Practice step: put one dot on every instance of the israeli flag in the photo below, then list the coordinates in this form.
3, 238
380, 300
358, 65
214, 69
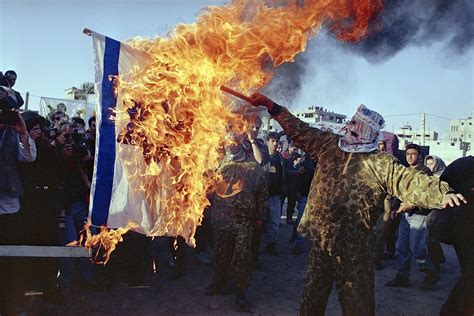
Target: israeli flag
115, 200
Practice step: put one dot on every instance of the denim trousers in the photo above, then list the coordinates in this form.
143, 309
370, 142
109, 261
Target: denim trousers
273, 218
301, 206
74, 223
411, 242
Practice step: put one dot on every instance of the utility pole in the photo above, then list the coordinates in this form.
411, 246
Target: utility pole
27, 99
423, 128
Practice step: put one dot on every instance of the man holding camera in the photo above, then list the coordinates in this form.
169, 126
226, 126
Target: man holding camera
72, 158
15, 145
39, 205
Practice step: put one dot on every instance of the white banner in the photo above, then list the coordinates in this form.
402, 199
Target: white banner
72, 108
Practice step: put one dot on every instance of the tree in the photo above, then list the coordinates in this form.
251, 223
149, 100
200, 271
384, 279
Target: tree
84, 89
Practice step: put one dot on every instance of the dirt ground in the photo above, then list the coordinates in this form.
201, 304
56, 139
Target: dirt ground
275, 290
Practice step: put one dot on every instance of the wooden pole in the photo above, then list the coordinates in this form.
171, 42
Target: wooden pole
236, 94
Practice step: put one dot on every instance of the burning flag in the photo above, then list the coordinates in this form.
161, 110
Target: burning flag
161, 115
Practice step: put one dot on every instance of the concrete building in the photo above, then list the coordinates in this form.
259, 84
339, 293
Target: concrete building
448, 150
461, 130
317, 114
314, 116
406, 134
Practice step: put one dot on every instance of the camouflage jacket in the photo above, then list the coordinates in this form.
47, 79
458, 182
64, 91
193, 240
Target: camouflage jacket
348, 190
249, 204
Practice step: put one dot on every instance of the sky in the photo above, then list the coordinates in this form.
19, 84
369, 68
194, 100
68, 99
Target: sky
43, 42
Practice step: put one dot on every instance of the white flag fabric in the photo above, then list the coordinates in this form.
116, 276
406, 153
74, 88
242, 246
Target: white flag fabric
115, 200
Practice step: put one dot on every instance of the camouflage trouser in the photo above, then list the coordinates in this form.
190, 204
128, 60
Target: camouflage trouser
232, 250
354, 277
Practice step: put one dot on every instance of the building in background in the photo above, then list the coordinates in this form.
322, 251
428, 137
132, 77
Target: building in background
315, 116
406, 134
461, 130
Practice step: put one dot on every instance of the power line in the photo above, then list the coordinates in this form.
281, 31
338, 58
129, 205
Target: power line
410, 114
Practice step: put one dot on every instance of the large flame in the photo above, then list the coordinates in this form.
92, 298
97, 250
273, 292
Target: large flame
179, 115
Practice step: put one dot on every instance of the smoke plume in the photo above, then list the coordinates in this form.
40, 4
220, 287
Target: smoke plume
401, 24
418, 22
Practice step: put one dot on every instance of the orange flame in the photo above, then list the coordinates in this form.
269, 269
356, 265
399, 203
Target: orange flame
101, 245
181, 116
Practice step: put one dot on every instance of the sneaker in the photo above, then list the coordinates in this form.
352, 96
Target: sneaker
399, 281
298, 250
271, 249
430, 280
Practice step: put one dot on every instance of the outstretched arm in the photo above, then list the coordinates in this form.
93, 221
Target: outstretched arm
416, 188
309, 139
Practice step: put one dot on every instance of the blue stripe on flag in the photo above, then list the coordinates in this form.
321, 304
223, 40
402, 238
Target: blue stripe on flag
107, 138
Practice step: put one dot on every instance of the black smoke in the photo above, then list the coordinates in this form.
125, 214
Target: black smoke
402, 23
287, 82
405, 23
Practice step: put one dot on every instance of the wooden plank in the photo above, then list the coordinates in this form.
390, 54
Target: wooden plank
43, 251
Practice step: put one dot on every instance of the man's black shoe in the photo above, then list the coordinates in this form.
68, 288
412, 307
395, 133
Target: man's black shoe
399, 281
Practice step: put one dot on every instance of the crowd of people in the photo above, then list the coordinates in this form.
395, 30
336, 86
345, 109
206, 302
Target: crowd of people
349, 197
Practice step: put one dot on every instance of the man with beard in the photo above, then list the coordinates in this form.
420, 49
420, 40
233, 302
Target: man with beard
345, 199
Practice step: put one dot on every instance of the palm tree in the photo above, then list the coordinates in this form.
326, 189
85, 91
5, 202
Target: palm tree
82, 92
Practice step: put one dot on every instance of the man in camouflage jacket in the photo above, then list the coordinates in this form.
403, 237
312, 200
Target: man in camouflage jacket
345, 199
234, 214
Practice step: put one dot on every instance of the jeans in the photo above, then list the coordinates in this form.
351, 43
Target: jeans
273, 218
412, 237
301, 206
74, 223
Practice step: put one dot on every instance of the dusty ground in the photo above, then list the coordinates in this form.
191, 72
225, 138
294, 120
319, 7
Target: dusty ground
275, 290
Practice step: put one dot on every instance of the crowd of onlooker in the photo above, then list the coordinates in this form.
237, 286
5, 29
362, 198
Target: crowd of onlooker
46, 170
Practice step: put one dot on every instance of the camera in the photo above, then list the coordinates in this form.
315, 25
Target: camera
76, 140
50, 132
8, 103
